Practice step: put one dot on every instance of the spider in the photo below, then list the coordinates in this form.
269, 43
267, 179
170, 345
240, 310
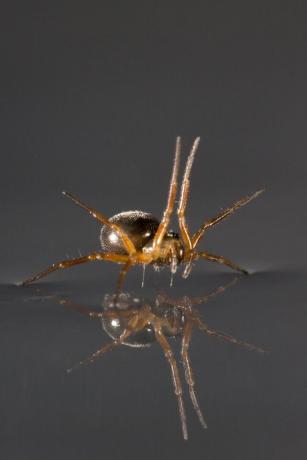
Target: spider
138, 323
137, 237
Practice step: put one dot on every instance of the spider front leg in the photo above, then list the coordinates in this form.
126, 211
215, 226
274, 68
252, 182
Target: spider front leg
95, 256
162, 229
185, 188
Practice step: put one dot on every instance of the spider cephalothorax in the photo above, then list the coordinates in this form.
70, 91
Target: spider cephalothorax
137, 237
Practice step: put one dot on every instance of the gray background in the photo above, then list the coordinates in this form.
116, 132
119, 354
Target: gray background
93, 95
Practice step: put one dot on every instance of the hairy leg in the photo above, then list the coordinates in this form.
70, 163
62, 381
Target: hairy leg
185, 188
227, 212
162, 229
129, 246
108, 256
219, 259
121, 279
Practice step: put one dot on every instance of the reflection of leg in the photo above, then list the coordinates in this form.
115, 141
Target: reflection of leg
175, 376
162, 229
112, 313
211, 295
129, 246
184, 302
228, 338
220, 260
187, 331
101, 351
80, 260
227, 212
136, 323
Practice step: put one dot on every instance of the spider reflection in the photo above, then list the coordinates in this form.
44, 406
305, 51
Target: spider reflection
135, 322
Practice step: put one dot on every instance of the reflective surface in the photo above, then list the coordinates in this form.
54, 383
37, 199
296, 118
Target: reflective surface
254, 403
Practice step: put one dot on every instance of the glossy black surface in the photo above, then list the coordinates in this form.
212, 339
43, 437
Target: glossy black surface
138, 225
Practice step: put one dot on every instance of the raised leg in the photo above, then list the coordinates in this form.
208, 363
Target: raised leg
185, 188
161, 339
129, 246
118, 258
227, 212
162, 229
220, 260
187, 331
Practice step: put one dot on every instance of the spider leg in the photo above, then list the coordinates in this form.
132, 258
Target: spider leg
219, 259
186, 339
163, 226
118, 258
185, 188
221, 335
129, 246
227, 212
121, 279
161, 339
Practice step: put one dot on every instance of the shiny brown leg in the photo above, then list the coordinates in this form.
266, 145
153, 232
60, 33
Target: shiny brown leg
80, 260
121, 279
161, 339
220, 260
185, 188
129, 246
187, 331
227, 212
162, 229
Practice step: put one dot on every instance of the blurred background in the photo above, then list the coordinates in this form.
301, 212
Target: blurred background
93, 95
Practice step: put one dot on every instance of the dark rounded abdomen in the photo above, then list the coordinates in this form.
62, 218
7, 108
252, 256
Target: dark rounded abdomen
138, 225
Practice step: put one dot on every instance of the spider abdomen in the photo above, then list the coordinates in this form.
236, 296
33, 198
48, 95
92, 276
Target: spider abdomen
139, 226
